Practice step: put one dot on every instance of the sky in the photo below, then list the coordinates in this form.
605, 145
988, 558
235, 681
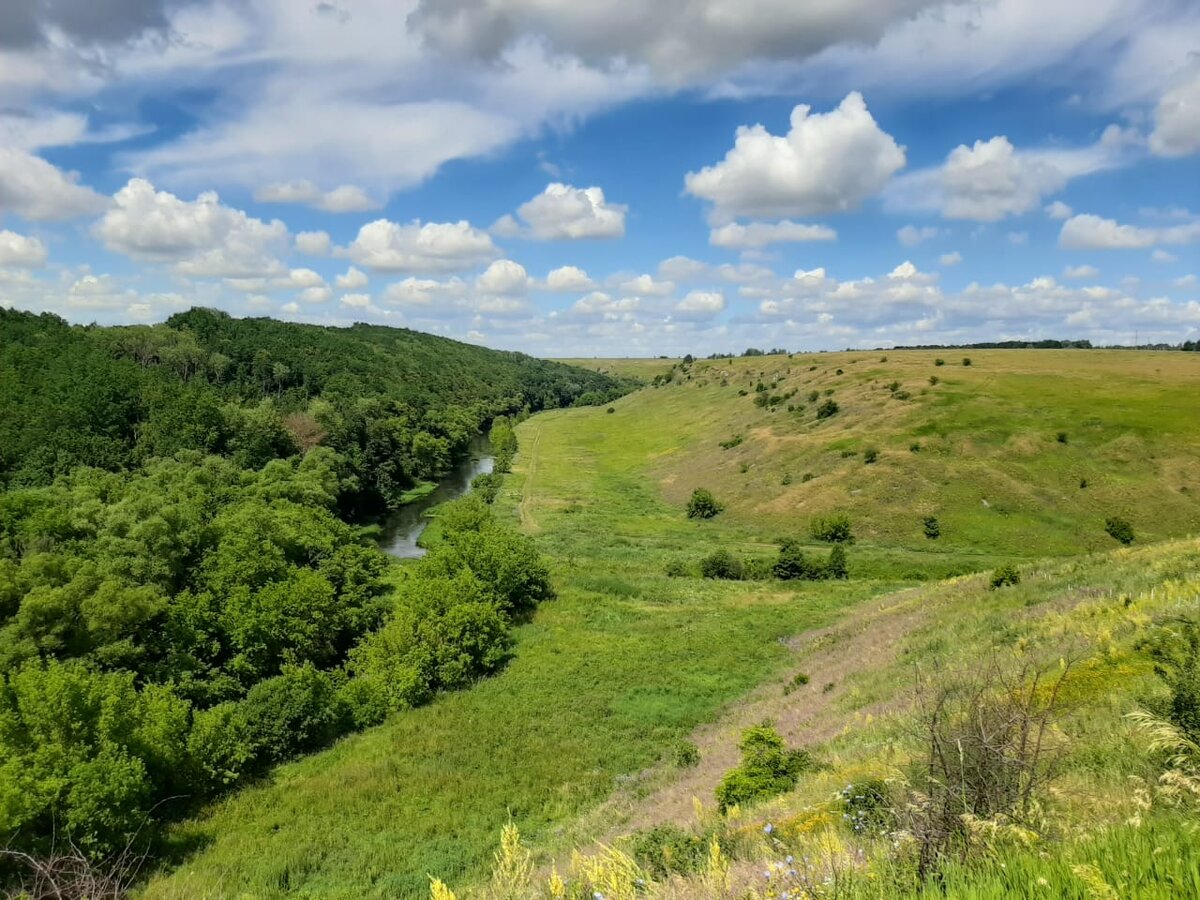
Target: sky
589, 178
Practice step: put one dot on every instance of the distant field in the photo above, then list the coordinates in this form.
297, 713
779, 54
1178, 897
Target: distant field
626, 661
628, 367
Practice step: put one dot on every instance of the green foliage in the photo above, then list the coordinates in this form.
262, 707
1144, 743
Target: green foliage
931, 527
504, 444
685, 755
827, 408
732, 442
1005, 576
939, 362
721, 564
966, 360
768, 768
836, 566
677, 568
792, 564
797, 681
1062, 437
870, 455
666, 850
1119, 529
867, 806
703, 505
833, 529
1174, 646
487, 486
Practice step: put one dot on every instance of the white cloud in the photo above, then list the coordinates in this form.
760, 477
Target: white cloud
351, 280
701, 303
1186, 281
911, 235
300, 278
1088, 232
356, 301
314, 243
20, 251
342, 199
950, 259
827, 163
566, 279
1177, 120
387, 246
682, 268
1058, 210
759, 234
200, 238
1080, 272
425, 292
315, 294
34, 189
992, 179
503, 277
565, 212
646, 286
1163, 256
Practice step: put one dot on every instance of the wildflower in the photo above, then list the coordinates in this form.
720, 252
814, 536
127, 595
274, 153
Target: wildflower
768, 828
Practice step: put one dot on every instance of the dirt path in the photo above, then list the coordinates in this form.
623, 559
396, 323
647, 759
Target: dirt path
528, 522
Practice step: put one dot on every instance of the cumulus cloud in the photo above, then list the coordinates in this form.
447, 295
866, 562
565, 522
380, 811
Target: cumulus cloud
736, 236
387, 246
1080, 272
826, 163
1091, 232
351, 280
503, 277
314, 243
200, 238
567, 279
565, 212
342, 199
20, 251
682, 268
950, 259
645, 286
1058, 210
911, 235
701, 303
992, 180
34, 189
1177, 120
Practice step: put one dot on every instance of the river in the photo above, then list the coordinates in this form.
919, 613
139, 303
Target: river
402, 529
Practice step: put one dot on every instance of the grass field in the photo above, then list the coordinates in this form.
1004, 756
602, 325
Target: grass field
572, 737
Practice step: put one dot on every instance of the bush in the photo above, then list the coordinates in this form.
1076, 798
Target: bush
870, 455
721, 564
1061, 437
933, 530
293, 712
966, 360
703, 505
933, 379
792, 564
685, 755
914, 447
757, 569
807, 477
787, 479
1119, 529
939, 362
799, 680
813, 396
1004, 576
610, 410
487, 486
1174, 646
666, 850
677, 568
732, 442
833, 529
768, 768
827, 409
867, 806
835, 566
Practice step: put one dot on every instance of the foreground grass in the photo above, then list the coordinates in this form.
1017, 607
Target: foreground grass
602, 684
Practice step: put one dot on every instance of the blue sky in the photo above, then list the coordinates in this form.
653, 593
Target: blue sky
589, 178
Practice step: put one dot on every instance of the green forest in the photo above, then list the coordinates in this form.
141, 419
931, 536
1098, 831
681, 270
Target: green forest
188, 591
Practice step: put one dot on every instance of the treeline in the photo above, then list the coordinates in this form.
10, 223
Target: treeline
167, 634
396, 405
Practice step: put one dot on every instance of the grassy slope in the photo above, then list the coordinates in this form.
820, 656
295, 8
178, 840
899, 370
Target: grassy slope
627, 660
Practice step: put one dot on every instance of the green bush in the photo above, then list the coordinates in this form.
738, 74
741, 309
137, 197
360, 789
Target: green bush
933, 530
807, 477
703, 505
487, 485
732, 442
1005, 575
836, 566
677, 568
867, 806
1119, 529
1062, 437
799, 680
721, 564
939, 362
933, 379
666, 850
685, 755
768, 768
1174, 646
827, 409
833, 529
792, 564
787, 479
294, 712
757, 569
966, 360
870, 455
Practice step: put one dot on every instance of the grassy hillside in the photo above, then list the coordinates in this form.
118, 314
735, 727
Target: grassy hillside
576, 738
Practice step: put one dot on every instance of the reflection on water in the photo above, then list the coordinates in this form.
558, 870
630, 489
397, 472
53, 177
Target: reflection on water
403, 527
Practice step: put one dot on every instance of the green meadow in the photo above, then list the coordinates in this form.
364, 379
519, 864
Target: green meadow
1021, 457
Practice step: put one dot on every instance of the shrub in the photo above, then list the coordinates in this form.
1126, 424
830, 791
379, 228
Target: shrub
799, 680
768, 768
833, 529
939, 362
291, 713
894, 386
721, 564
867, 806
1119, 529
813, 396
966, 360
1174, 646
914, 447
666, 850
703, 505
1083, 483
732, 442
792, 564
835, 566
1061, 437
685, 755
838, 372
787, 478
743, 468
487, 486
933, 530
901, 395
610, 410
677, 568
933, 379
1004, 576
806, 477
757, 569
827, 409
870, 455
